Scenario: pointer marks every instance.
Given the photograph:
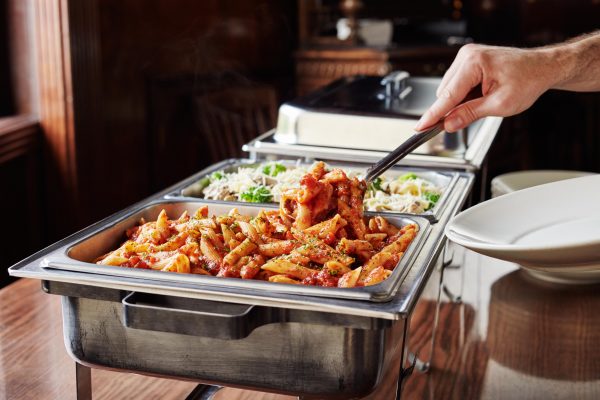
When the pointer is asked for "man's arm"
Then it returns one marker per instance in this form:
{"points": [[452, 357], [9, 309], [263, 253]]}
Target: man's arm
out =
{"points": [[512, 79], [582, 59]]}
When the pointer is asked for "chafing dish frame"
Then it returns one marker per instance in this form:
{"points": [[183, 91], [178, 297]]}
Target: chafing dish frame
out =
{"points": [[77, 287], [105, 292]]}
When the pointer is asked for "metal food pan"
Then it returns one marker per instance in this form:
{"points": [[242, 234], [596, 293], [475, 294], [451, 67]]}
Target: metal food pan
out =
{"points": [[79, 255], [304, 353], [446, 180]]}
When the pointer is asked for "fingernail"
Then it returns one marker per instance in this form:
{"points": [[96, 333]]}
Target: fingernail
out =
{"points": [[453, 124], [420, 123]]}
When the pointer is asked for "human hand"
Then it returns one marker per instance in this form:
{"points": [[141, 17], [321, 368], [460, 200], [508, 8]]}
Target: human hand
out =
{"points": [[511, 81]]}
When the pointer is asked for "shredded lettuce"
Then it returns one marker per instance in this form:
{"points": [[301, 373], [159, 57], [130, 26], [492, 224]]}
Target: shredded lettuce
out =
{"points": [[257, 194], [376, 184], [432, 198], [217, 175], [273, 169], [407, 176]]}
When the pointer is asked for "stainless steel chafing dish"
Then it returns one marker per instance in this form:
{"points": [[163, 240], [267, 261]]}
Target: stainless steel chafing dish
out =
{"points": [[311, 343], [270, 340]]}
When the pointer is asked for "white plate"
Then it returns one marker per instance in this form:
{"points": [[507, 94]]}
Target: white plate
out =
{"points": [[549, 228], [513, 181]]}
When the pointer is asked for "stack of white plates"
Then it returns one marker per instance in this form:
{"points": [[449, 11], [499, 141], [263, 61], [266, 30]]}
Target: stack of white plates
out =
{"points": [[513, 181], [552, 230]]}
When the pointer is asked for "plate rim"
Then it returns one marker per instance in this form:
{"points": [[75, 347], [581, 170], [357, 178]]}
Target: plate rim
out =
{"points": [[516, 251]]}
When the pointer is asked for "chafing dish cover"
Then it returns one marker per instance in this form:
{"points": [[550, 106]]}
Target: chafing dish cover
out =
{"points": [[361, 112]]}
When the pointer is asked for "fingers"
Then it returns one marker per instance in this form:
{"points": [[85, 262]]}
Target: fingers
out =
{"points": [[470, 111], [454, 67], [465, 77], [456, 90]]}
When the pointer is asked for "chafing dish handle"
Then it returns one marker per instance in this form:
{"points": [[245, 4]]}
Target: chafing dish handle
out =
{"points": [[193, 317]]}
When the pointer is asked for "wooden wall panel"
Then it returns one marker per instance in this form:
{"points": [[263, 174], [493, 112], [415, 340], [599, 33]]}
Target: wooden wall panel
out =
{"points": [[6, 92], [23, 76], [56, 114], [86, 88], [152, 44]]}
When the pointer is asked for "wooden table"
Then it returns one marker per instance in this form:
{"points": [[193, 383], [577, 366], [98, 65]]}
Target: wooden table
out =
{"points": [[508, 337]]}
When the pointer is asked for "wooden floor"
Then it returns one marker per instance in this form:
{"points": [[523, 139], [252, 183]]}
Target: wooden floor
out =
{"points": [[509, 338]]}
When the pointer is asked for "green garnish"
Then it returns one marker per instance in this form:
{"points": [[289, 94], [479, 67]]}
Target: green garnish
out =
{"points": [[273, 169], [257, 194], [217, 175], [407, 176], [376, 185], [432, 198]]}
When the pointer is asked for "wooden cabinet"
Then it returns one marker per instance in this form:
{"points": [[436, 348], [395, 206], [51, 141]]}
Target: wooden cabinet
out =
{"points": [[318, 66]]}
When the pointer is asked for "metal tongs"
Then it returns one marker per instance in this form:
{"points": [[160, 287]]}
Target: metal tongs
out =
{"points": [[413, 142], [401, 151]]}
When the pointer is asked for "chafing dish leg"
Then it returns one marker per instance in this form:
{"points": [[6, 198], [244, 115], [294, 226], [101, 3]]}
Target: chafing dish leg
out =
{"points": [[83, 379], [203, 392], [454, 258]]}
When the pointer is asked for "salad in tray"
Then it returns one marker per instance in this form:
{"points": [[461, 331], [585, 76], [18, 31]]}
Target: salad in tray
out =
{"points": [[266, 182]]}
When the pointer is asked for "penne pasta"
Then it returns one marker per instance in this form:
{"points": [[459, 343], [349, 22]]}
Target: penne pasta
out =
{"points": [[401, 244], [281, 266], [350, 279], [375, 276], [283, 279], [329, 227], [245, 248], [375, 261], [318, 236], [277, 248], [209, 250], [318, 251]]}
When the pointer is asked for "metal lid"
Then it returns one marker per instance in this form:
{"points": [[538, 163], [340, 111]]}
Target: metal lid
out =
{"points": [[397, 95], [371, 114]]}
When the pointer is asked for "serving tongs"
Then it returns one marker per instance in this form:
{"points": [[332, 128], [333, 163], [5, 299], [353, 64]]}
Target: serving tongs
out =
{"points": [[413, 142], [402, 151]]}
